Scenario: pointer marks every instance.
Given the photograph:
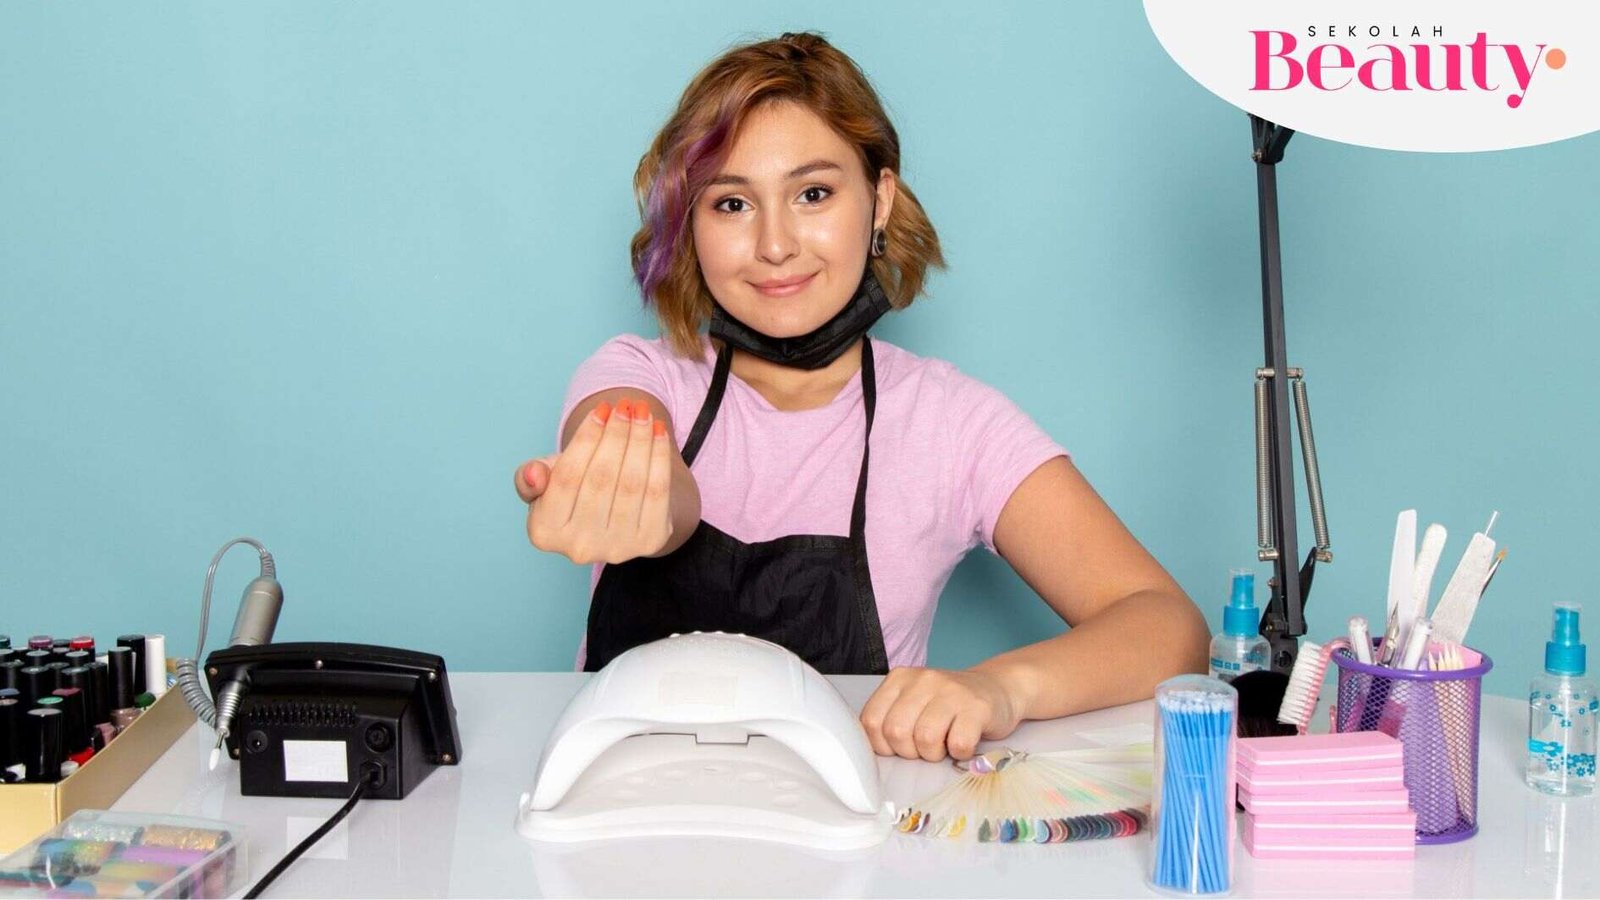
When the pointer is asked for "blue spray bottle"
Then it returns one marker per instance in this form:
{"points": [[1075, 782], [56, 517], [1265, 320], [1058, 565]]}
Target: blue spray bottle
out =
{"points": [[1562, 706], [1239, 647]]}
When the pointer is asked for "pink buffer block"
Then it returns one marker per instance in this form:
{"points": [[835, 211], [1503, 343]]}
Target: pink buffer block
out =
{"points": [[1386, 836], [1331, 802], [1271, 783], [1383, 829], [1303, 752], [1261, 849]]}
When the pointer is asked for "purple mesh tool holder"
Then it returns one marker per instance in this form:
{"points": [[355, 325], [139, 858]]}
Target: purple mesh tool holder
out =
{"points": [[1435, 716]]}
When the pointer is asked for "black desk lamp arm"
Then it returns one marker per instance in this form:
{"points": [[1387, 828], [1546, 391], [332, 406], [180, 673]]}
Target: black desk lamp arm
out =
{"points": [[1283, 623]]}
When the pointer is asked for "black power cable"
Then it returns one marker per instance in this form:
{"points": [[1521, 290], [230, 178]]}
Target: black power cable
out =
{"points": [[312, 838]]}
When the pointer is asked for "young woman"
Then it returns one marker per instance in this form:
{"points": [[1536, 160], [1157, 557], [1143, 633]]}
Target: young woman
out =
{"points": [[787, 476]]}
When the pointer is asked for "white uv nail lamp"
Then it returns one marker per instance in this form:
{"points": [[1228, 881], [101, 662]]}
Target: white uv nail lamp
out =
{"points": [[708, 734]]}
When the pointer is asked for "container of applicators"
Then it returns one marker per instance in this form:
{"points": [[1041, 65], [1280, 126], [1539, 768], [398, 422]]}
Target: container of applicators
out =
{"points": [[1435, 714], [1191, 809]]}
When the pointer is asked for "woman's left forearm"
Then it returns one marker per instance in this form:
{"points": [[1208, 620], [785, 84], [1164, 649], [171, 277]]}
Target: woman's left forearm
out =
{"points": [[1115, 657]]}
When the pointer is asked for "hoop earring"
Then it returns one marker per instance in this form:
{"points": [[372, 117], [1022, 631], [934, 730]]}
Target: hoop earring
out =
{"points": [[879, 242]]}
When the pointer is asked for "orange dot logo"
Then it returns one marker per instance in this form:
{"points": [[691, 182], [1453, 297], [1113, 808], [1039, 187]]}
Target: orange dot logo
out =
{"points": [[1555, 58]]}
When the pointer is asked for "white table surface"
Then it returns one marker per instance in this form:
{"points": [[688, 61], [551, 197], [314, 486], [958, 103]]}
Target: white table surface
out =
{"points": [[454, 835]]}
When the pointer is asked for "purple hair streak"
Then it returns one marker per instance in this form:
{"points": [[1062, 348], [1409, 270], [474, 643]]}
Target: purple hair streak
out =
{"points": [[671, 192]]}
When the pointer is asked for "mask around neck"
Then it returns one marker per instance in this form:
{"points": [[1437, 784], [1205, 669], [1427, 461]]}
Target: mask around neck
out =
{"points": [[816, 348]]}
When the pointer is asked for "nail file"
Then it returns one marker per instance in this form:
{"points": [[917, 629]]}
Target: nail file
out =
{"points": [[1402, 563], [1460, 601], [1433, 541]]}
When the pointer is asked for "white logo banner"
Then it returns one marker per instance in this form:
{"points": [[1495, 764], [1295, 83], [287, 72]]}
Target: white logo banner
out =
{"points": [[1433, 76]]}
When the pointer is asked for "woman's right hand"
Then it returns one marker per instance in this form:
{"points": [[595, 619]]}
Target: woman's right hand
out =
{"points": [[606, 497]]}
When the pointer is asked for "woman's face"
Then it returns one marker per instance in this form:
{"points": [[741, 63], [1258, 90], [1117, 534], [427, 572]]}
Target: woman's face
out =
{"points": [[782, 232]]}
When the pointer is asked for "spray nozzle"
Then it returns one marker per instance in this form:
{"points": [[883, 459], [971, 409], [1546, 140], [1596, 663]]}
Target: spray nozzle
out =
{"points": [[1564, 653], [1239, 617]]}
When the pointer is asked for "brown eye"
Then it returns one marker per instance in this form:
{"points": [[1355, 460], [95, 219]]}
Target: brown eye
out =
{"points": [[723, 205], [815, 194]]}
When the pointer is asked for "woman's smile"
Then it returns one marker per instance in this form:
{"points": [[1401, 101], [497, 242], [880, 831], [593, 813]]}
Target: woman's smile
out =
{"points": [[784, 287]]}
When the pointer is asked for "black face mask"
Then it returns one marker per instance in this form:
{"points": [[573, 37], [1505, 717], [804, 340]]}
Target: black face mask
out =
{"points": [[818, 348]]}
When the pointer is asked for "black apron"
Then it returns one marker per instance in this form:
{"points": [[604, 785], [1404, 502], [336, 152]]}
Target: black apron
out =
{"points": [[810, 593]]}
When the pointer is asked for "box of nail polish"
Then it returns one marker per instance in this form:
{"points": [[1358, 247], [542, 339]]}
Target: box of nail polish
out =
{"points": [[28, 809]]}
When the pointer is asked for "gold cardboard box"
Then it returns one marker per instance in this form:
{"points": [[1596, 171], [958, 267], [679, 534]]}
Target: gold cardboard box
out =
{"points": [[28, 810]]}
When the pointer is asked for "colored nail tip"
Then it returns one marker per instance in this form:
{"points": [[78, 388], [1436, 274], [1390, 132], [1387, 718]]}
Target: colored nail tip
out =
{"points": [[660, 428], [603, 411]]}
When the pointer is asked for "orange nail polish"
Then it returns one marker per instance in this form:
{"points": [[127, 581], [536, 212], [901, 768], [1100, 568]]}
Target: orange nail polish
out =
{"points": [[660, 428], [625, 409], [603, 412]]}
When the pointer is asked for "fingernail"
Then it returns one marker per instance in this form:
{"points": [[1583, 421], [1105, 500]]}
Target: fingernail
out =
{"points": [[603, 412], [625, 409], [660, 428], [641, 411]]}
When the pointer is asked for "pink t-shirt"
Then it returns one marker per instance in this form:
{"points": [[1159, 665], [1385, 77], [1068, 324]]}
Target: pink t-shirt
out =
{"points": [[947, 452]]}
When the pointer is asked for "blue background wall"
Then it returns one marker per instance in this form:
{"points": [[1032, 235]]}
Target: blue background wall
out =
{"points": [[319, 273]]}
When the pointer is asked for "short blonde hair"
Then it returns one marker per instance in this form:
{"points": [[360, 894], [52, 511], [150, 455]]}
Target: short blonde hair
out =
{"points": [[694, 143]]}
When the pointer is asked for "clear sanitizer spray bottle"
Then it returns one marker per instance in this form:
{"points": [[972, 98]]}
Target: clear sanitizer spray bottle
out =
{"points": [[1239, 648], [1562, 706]]}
